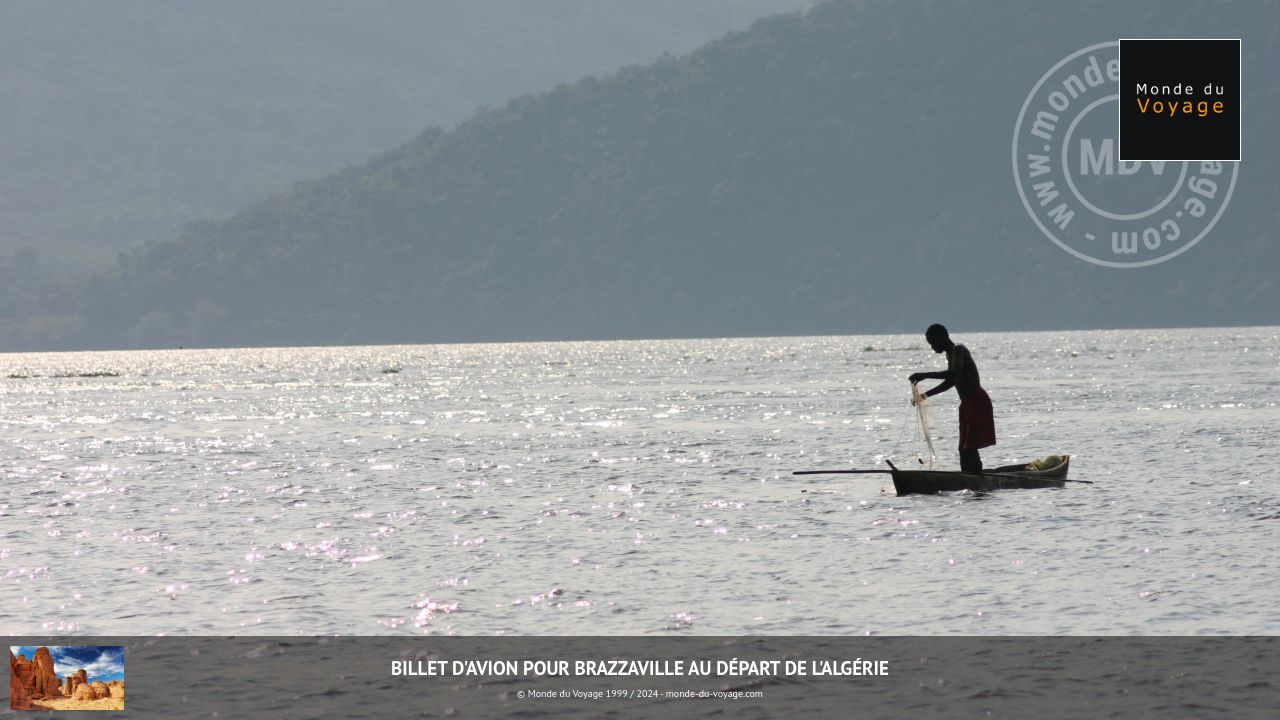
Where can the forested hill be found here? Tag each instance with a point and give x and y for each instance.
(124, 121)
(846, 170)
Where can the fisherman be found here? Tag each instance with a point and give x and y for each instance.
(977, 422)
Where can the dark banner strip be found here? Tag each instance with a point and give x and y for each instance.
(637, 677)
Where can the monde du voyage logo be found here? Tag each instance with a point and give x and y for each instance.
(1083, 197)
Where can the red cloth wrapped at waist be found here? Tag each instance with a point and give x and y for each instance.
(977, 421)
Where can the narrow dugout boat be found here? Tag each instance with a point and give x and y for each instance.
(1008, 477)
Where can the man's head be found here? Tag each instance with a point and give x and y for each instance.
(938, 338)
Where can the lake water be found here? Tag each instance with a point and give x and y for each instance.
(637, 488)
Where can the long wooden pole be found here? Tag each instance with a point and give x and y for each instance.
(840, 472)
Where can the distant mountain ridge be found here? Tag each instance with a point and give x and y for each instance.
(845, 170)
(125, 121)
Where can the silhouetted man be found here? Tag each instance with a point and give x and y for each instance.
(977, 421)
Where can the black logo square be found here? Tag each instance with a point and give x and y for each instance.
(1179, 100)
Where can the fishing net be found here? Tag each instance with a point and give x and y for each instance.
(924, 420)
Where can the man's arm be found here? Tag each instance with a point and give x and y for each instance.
(955, 362)
(917, 377)
(944, 386)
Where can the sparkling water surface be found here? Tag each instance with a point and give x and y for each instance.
(639, 487)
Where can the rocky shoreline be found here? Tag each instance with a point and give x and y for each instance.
(33, 684)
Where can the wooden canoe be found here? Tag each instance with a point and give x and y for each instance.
(1008, 477)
